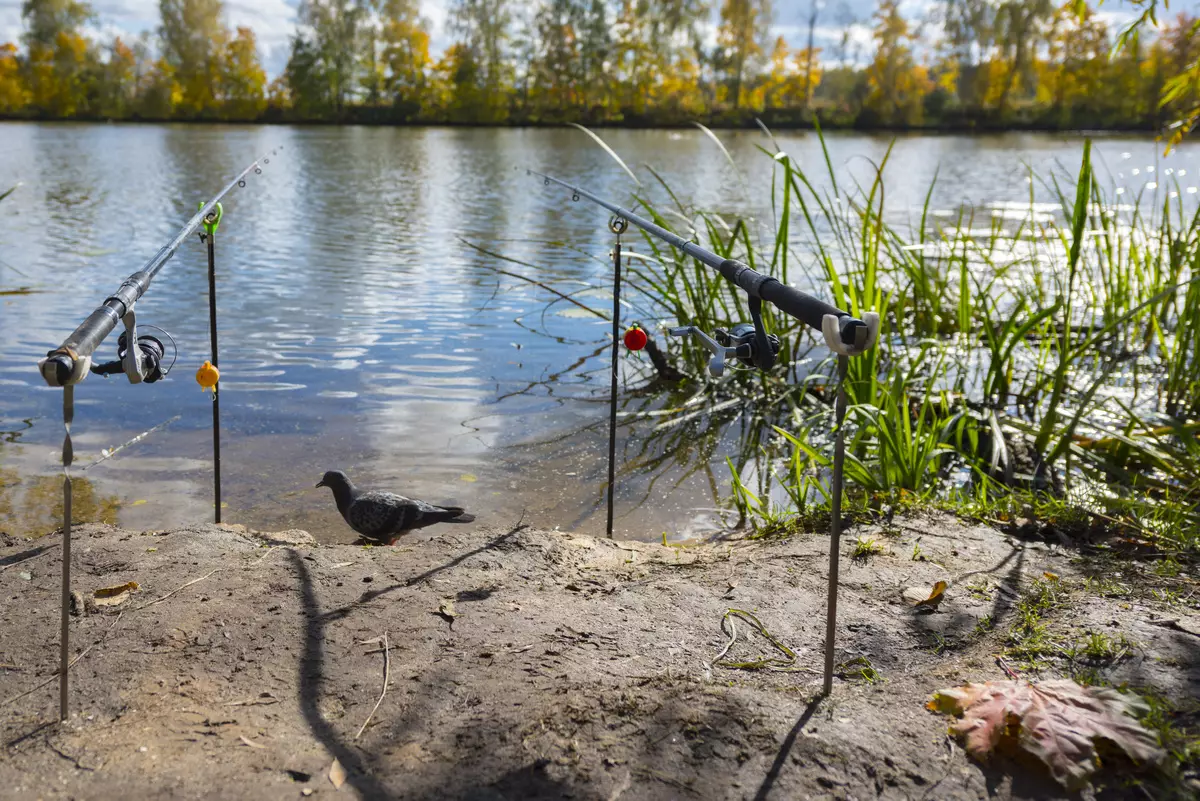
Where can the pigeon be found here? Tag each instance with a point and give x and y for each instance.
(382, 517)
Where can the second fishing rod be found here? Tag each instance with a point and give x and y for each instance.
(844, 333)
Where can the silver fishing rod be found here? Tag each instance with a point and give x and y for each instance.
(845, 334)
(69, 362)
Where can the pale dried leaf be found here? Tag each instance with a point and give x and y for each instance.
(337, 774)
(1059, 722)
(919, 596)
(250, 743)
(112, 596)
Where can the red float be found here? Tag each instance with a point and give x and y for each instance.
(635, 337)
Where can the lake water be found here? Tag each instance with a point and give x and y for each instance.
(360, 331)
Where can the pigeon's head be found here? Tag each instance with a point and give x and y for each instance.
(335, 480)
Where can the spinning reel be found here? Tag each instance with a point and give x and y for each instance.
(142, 364)
(749, 343)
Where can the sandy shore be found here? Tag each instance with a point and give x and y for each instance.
(527, 664)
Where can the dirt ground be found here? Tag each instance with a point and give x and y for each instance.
(527, 664)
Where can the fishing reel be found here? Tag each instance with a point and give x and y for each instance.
(749, 343)
(141, 364)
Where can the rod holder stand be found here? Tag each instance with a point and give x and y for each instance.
(831, 331)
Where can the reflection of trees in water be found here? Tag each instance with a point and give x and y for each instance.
(33, 506)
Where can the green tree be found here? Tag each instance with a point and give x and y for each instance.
(484, 29)
(1020, 26)
(331, 37)
(969, 27)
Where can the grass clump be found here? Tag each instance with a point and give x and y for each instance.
(1028, 639)
(865, 548)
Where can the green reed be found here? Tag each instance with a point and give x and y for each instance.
(999, 352)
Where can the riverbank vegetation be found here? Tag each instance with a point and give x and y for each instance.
(1016, 63)
(1038, 365)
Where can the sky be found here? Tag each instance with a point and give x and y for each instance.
(274, 20)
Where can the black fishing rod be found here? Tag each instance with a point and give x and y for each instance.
(845, 334)
(70, 361)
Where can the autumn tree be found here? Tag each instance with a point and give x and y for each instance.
(405, 39)
(897, 84)
(650, 38)
(243, 81)
(118, 87)
(193, 38)
(57, 60)
(13, 97)
(742, 32)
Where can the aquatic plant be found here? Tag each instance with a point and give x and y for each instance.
(1051, 355)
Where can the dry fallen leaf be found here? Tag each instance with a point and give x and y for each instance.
(918, 596)
(337, 774)
(1046, 574)
(446, 610)
(1059, 722)
(250, 743)
(112, 596)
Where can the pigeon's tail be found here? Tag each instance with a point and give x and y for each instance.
(460, 515)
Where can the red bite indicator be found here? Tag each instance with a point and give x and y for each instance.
(635, 337)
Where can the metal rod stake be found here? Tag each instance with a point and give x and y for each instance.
(64, 634)
(835, 525)
(612, 403)
(216, 401)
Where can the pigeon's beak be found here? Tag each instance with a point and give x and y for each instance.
(320, 484)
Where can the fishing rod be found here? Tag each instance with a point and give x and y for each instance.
(845, 334)
(139, 357)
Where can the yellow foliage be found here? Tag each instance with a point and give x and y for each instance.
(243, 81)
(13, 96)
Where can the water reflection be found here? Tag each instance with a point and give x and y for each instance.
(359, 332)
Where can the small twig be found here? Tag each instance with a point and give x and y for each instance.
(1012, 674)
(254, 702)
(27, 558)
(264, 556)
(70, 665)
(177, 589)
(387, 674)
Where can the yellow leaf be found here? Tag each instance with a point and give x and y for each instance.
(917, 597)
(470, 478)
(138, 503)
(1050, 576)
(112, 596)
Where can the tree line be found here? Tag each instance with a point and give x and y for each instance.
(993, 63)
